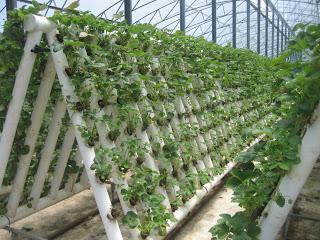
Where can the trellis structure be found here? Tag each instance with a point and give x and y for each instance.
(57, 63)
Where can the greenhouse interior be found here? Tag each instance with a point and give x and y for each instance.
(160, 119)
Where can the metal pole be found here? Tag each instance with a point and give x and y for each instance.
(282, 25)
(278, 33)
(10, 5)
(267, 29)
(234, 23)
(214, 21)
(285, 36)
(183, 15)
(128, 11)
(272, 35)
(248, 24)
(258, 24)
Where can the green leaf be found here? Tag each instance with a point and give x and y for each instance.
(131, 219)
(25, 149)
(253, 230)
(279, 199)
(246, 157)
(285, 165)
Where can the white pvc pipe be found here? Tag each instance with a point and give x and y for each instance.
(16, 103)
(100, 191)
(47, 151)
(32, 132)
(38, 23)
(291, 184)
(60, 167)
(108, 144)
(44, 202)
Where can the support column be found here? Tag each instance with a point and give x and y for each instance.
(214, 21)
(128, 11)
(282, 26)
(10, 5)
(267, 29)
(272, 35)
(248, 24)
(278, 34)
(258, 26)
(234, 23)
(183, 15)
(285, 36)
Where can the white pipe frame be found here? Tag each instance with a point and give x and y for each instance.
(47, 151)
(18, 95)
(274, 216)
(32, 132)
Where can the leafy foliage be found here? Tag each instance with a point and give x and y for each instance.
(144, 75)
(254, 183)
(236, 227)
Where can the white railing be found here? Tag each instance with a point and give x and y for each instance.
(57, 62)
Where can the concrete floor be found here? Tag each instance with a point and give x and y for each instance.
(67, 219)
(196, 228)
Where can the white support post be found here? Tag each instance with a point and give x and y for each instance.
(16, 103)
(290, 185)
(47, 152)
(20, 87)
(62, 161)
(31, 136)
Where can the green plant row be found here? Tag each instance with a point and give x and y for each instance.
(142, 65)
(142, 73)
(297, 95)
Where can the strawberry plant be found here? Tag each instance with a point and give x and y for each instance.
(140, 72)
(263, 166)
(101, 166)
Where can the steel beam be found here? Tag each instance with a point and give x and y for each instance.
(214, 21)
(267, 29)
(128, 11)
(272, 35)
(285, 36)
(278, 34)
(282, 34)
(183, 15)
(258, 26)
(10, 5)
(234, 23)
(248, 23)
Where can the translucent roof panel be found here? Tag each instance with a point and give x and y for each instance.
(261, 25)
(299, 11)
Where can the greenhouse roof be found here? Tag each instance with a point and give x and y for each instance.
(241, 23)
(296, 11)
